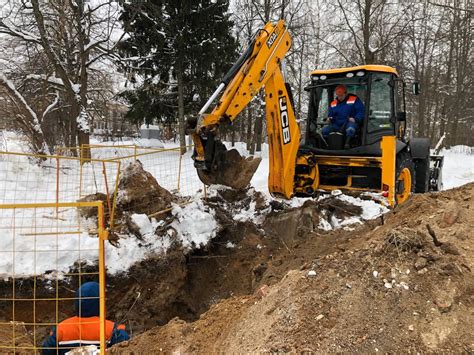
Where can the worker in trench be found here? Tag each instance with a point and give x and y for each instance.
(84, 328)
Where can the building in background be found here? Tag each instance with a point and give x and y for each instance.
(111, 124)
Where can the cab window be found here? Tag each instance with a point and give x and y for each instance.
(380, 111)
(326, 95)
(323, 107)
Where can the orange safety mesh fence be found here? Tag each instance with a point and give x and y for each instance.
(47, 250)
(37, 178)
(151, 179)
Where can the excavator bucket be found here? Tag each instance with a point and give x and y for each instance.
(229, 168)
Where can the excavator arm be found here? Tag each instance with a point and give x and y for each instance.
(258, 68)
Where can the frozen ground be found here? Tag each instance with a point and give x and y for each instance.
(23, 181)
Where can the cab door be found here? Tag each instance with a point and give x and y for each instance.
(380, 119)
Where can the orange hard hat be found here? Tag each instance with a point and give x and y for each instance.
(341, 89)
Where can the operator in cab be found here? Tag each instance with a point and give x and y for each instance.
(346, 113)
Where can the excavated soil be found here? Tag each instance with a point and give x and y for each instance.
(242, 256)
(401, 283)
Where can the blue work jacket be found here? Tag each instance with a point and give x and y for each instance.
(340, 112)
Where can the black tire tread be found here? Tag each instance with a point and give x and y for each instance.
(422, 172)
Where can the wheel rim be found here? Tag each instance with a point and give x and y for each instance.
(405, 177)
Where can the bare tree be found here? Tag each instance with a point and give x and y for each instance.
(72, 38)
(360, 31)
(435, 51)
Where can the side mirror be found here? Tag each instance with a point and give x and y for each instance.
(401, 116)
(416, 88)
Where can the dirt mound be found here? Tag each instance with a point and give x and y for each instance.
(397, 284)
(139, 192)
(91, 212)
(292, 226)
(23, 337)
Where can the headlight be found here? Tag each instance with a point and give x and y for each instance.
(349, 75)
(323, 77)
(360, 73)
(314, 77)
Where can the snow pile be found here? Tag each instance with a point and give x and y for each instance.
(132, 249)
(25, 254)
(195, 224)
(370, 209)
(458, 168)
(146, 226)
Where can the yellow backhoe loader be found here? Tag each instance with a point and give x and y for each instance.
(380, 157)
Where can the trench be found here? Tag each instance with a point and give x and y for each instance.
(241, 258)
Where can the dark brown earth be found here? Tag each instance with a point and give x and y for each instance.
(139, 192)
(389, 287)
(259, 294)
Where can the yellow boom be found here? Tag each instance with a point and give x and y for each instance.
(262, 69)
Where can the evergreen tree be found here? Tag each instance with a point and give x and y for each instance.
(178, 50)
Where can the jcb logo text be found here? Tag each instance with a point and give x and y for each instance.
(272, 39)
(285, 123)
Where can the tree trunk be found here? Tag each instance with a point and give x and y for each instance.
(84, 131)
(241, 129)
(83, 139)
(181, 123)
(249, 126)
(421, 112)
(258, 132)
(369, 55)
(232, 136)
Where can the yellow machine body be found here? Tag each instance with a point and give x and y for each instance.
(292, 171)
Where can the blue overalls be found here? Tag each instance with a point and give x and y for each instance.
(340, 112)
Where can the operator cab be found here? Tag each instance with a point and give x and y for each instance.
(377, 86)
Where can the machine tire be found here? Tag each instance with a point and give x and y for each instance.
(405, 171)
(422, 174)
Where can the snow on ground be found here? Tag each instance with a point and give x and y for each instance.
(195, 224)
(458, 166)
(140, 142)
(26, 253)
(24, 181)
(23, 252)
